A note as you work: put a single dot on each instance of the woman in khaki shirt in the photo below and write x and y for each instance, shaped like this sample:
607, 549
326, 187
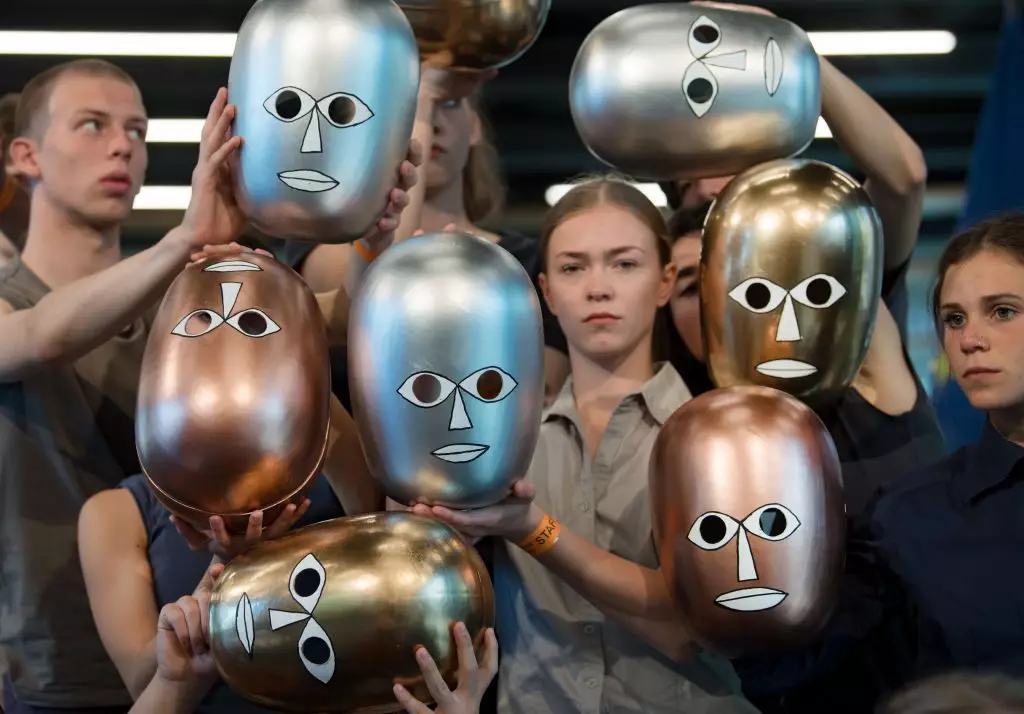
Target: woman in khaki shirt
606, 275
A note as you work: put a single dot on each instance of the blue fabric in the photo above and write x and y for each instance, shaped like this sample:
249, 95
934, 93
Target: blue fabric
994, 185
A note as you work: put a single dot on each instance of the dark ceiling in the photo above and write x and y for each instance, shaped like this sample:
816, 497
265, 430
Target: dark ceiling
936, 98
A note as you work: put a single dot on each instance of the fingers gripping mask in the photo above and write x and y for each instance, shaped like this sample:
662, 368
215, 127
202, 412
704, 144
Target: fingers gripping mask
446, 357
326, 96
749, 519
790, 279
297, 621
233, 409
678, 91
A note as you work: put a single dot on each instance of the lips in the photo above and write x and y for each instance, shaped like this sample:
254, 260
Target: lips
751, 599
772, 67
307, 180
244, 624
459, 453
786, 368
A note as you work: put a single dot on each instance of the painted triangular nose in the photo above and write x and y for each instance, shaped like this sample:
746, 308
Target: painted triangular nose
728, 60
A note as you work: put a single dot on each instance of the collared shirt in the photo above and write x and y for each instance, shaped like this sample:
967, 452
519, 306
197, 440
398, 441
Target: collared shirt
953, 535
559, 653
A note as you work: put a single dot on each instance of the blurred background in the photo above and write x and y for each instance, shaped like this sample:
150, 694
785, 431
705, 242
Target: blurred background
934, 84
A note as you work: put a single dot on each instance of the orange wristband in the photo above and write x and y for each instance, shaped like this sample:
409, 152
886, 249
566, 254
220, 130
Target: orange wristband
365, 253
543, 538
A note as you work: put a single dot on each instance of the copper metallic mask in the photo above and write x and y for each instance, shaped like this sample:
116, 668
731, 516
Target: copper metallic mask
327, 618
679, 91
233, 409
326, 95
446, 356
749, 519
475, 34
790, 279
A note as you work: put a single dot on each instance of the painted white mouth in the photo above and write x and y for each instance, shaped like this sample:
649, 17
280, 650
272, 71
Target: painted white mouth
772, 66
307, 180
786, 368
751, 599
244, 624
459, 453
231, 266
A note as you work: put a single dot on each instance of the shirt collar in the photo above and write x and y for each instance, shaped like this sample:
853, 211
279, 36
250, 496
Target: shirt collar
661, 395
987, 463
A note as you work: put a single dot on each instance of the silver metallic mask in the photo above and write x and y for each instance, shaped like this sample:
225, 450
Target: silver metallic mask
677, 91
446, 360
326, 95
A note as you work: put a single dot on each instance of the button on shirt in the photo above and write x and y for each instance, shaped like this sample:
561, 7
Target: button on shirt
953, 536
559, 653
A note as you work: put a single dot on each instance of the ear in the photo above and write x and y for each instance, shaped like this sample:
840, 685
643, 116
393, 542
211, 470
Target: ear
24, 158
542, 280
668, 281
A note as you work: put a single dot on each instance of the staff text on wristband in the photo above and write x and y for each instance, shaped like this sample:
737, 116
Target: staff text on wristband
365, 253
543, 538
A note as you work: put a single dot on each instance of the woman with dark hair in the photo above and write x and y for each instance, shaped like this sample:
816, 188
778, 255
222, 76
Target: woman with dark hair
951, 534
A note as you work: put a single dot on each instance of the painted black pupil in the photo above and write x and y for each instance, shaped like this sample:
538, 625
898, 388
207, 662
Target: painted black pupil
712, 529
316, 650
705, 34
252, 323
819, 291
700, 90
307, 582
426, 388
773, 522
288, 104
342, 110
758, 296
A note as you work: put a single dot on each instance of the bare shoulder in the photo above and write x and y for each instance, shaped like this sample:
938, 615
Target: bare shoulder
5, 307
110, 509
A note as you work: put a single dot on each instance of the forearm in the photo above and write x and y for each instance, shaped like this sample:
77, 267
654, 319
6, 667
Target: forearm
334, 308
345, 466
891, 160
630, 593
164, 697
73, 320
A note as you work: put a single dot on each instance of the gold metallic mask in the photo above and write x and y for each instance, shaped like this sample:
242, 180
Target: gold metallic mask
328, 618
233, 406
749, 519
790, 279
475, 34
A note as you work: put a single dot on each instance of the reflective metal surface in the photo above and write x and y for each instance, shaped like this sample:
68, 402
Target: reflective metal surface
233, 409
679, 91
475, 34
327, 618
326, 96
749, 519
446, 357
790, 279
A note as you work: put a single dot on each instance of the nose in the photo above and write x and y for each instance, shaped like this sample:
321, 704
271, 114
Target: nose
460, 419
747, 570
121, 145
598, 287
311, 141
789, 330
973, 341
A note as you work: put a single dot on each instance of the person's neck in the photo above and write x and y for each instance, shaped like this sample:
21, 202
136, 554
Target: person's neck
1009, 423
60, 249
600, 385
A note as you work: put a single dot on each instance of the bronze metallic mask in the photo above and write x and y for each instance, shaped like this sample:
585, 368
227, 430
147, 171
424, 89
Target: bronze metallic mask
446, 357
676, 91
328, 617
233, 406
749, 519
790, 279
475, 34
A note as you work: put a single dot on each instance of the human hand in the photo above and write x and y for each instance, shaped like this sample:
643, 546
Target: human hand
222, 251
183, 653
473, 677
513, 518
383, 233
213, 215
226, 545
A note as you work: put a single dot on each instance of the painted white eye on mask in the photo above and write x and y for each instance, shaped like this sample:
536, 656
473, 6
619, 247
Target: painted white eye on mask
306, 585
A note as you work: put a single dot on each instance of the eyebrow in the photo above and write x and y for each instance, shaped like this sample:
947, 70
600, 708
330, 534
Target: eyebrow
688, 271
610, 253
986, 299
106, 115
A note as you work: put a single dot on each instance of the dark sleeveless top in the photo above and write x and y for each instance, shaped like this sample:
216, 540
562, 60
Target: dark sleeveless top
177, 569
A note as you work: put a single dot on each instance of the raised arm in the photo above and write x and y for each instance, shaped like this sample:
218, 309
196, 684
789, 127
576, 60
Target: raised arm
119, 581
74, 319
345, 466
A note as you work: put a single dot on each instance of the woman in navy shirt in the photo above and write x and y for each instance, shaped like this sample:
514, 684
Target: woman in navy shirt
953, 534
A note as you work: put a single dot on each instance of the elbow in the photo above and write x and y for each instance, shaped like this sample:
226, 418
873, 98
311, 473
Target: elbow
914, 176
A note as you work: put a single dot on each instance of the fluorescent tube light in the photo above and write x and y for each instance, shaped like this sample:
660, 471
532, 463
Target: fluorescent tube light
174, 131
163, 198
222, 44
